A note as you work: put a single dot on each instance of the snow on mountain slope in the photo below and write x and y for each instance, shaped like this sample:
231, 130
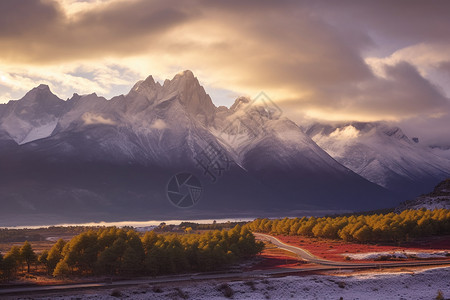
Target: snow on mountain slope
32, 117
152, 124
122, 152
442, 151
40, 132
246, 125
382, 154
276, 151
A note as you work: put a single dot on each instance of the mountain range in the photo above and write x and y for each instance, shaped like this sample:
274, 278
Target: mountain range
382, 154
88, 158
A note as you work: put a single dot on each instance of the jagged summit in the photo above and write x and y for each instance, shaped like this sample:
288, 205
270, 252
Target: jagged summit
32, 117
186, 88
185, 74
182, 81
192, 95
144, 86
442, 189
40, 93
134, 143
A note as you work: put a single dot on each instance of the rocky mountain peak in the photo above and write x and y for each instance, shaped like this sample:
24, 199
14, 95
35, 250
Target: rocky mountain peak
43, 87
191, 95
40, 93
184, 86
394, 131
187, 74
182, 80
148, 88
442, 189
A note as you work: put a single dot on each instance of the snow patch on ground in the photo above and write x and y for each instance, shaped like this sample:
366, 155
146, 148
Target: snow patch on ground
431, 204
405, 285
396, 254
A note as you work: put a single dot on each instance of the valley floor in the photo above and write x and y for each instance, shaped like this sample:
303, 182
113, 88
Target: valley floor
411, 283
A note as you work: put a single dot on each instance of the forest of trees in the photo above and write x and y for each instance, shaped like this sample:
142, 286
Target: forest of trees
212, 226
114, 251
389, 227
38, 234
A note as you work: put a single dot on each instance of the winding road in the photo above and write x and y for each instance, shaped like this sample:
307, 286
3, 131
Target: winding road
307, 256
319, 264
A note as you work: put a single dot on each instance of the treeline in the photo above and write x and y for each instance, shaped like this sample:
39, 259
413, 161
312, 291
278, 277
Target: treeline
39, 234
389, 227
113, 251
212, 226
15, 258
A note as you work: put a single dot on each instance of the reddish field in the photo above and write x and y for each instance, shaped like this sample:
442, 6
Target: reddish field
273, 257
335, 250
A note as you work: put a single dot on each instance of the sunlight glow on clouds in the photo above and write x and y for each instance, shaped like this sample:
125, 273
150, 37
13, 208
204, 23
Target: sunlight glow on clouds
352, 60
90, 118
346, 133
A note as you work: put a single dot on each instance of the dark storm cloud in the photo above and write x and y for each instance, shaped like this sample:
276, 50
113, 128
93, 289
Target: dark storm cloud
403, 93
131, 18
284, 38
40, 31
19, 19
407, 20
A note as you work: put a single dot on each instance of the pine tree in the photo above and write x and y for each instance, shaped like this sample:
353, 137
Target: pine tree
27, 254
14, 257
55, 255
62, 269
43, 259
9, 267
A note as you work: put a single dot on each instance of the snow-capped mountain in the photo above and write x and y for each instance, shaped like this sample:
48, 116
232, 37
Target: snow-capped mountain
114, 158
32, 117
382, 154
89, 158
278, 153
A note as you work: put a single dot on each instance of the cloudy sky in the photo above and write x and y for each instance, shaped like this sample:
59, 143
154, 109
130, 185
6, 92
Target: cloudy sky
329, 60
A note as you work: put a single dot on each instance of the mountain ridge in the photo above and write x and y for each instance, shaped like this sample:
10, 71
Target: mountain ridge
383, 154
113, 158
